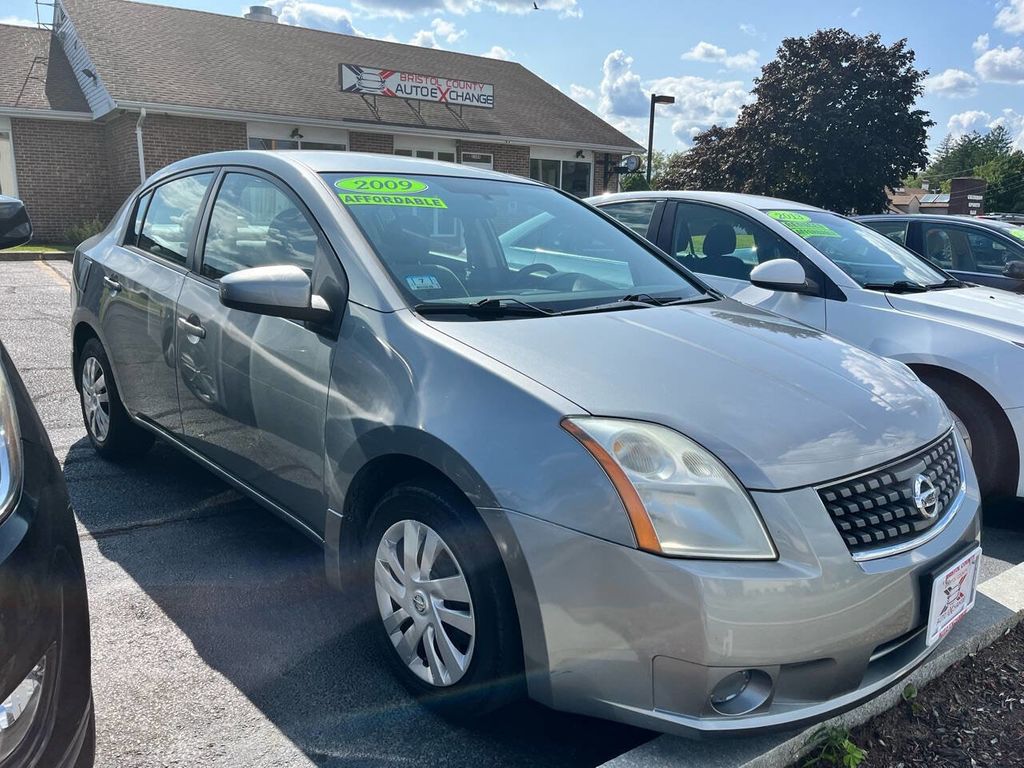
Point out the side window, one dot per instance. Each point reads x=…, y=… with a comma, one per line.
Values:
x=170, y=219
x=131, y=237
x=990, y=253
x=947, y=246
x=719, y=242
x=894, y=230
x=636, y=214
x=254, y=224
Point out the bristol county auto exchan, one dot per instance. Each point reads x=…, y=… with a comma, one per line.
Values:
x=545, y=458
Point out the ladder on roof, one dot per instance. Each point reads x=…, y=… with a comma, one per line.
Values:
x=45, y=13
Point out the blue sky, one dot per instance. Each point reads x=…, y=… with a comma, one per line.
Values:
x=611, y=55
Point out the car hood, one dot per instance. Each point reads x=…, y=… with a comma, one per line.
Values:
x=988, y=310
x=781, y=404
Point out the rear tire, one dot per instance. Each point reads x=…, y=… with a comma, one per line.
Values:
x=993, y=456
x=111, y=430
x=457, y=648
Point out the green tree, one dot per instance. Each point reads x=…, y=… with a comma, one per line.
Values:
x=961, y=156
x=1005, y=176
x=833, y=124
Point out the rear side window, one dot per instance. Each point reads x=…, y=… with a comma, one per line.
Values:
x=254, y=223
x=170, y=219
x=135, y=228
x=635, y=214
x=894, y=230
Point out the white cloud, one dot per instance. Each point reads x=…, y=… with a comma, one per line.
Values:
x=980, y=44
x=954, y=83
x=856, y=12
x=622, y=94
x=440, y=29
x=1011, y=17
x=704, y=51
x=497, y=52
x=1012, y=121
x=302, y=13
x=405, y=9
x=701, y=103
x=17, y=21
x=1001, y=65
x=965, y=122
x=581, y=93
x=748, y=29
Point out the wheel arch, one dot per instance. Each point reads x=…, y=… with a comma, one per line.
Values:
x=83, y=331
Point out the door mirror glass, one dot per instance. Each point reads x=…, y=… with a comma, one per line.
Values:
x=1014, y=269
x=782, y=275
x=276, y=290
x=15, y=227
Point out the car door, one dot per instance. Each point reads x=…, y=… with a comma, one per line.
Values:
x=253, y=388
x=723, y=246
x=972, y=253
x=142, y=278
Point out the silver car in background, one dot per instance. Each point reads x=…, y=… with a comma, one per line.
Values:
x=543, y=456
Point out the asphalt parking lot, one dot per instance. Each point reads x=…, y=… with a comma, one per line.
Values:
x=216, y=640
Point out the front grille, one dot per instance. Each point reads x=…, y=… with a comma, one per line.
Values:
x=878, y=509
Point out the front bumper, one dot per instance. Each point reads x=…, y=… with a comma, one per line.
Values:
x=43, y=606
x=618, y=633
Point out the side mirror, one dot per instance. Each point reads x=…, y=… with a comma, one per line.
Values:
x=1014, y=269
x=15, y=227
x=782, y=275
x=279, y=291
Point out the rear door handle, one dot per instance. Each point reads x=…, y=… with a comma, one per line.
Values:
x=190, y=328
x=111, y=283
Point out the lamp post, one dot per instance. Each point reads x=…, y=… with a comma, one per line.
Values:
x=655, y=99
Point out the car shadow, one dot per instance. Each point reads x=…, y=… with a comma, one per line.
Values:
x=250, y=594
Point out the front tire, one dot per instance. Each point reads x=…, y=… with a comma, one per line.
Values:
x=111, y=430
x=442, y=614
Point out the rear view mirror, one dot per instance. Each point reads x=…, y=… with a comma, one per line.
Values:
x=782, y=275
x=1014, y=269
x=279, y=291
x=15, y=227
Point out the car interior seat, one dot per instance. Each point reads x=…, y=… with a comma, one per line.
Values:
x=719, y=243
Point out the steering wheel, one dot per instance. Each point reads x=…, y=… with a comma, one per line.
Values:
x=532, y=269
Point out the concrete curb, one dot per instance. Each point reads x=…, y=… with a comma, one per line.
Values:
x=1000, y=607
x=36, y=256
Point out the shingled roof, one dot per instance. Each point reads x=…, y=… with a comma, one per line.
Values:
x=36, y=74
x=152, y=54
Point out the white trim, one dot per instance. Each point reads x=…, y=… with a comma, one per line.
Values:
x=353, y=125
x=425, y=143
x=5, y=127
x=283, y=130
x=46, y=114
x=560, y=153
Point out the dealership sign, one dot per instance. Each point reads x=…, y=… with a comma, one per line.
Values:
x=373, y=81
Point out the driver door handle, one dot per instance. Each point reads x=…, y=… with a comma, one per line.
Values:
x=191, y=328
x=111, y=283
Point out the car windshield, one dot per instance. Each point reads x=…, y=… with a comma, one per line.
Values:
x=1009, y=228
x=870, y=258
x=465, y=242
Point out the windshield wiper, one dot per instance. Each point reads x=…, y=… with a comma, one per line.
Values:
x=497, y=306
x=667, y=301
x=900, y=286
x=951, y=282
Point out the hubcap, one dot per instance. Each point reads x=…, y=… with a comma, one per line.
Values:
x=424, y=602
x=95, y=399
x=962, y=429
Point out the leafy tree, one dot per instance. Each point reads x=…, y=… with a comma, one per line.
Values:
x=637, y=182
x=833, y=124
x=1005, y=176
x=963, y=155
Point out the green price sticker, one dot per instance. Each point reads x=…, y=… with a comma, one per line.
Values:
x=1018, y=233
x=788, y=216
x=810, y=229
x=392, y=184
x=400, y=201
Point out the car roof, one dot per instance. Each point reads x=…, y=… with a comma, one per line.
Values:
x=322, y=161
x=947, y=217
x=729, y=198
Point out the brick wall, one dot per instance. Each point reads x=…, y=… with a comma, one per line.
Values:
x=508, y=158
x=613, y=178
x=62, y=174
x=380, y=143
x=167, y=139
x=122, y=155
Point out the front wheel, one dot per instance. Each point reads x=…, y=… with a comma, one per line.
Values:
x=444, y=615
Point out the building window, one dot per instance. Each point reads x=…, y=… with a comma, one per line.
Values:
x=568, y=175
x=477, y=160
x=427, y=154
x=256, y=142
x=8, y=184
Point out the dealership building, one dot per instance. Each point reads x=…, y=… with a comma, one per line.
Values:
x=113, y=90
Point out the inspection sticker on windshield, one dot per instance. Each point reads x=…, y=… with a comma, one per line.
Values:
x=422, y=282
x=801, y=224
x=953, y=594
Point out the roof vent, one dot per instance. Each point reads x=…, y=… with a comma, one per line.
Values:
x=261, y=13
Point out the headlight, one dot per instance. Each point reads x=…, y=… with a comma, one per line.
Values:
x=681, y=500
x=10, y=448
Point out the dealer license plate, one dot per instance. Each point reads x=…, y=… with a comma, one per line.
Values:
x=953, y=594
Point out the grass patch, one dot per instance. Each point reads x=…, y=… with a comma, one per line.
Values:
x=41, y=248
